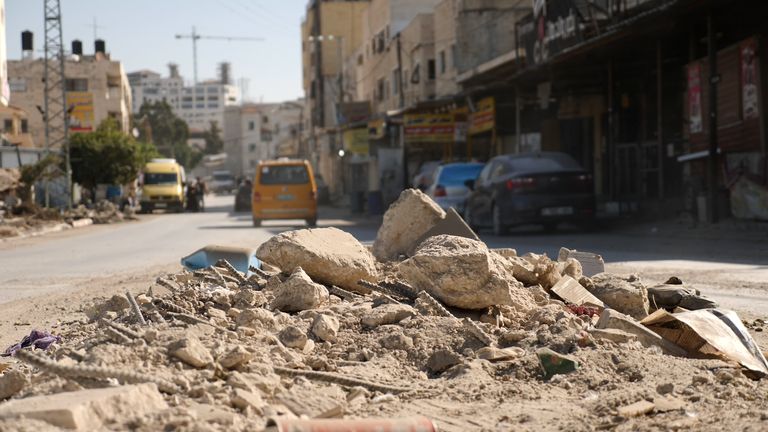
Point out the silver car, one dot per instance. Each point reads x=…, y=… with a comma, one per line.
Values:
x=448, y=188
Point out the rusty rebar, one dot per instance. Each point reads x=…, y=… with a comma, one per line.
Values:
x=136, y=309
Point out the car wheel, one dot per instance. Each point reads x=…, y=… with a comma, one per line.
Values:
x=256, y=222
x=499, y=228
x=312, y=222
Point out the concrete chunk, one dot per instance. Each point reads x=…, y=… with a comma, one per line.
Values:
x=623, y=293
x=328, y=255
x=388, y=314
x=87, y=410
x=611, y=319
x=191, y=351
x=299, y=293
x=326, y=327
x=406, y=220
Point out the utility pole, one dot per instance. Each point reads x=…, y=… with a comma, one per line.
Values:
x=400, y=71
x=55, y=97
x=319, y=96
x=195, y=36
x=714, y=78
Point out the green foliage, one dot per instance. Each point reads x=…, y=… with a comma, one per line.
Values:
x=213, y=142
x=107, y=156
x=158, y=124
x=31, y=174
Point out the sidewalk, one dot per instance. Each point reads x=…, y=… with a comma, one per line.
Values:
x=732, y=229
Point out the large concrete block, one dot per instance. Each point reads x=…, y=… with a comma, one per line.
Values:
x=405, y=222
x=88, y=410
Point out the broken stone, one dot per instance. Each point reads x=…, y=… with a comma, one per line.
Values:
x=547, y=271
x=451, y=224
x=397, y=341
x=406, y=220
x=613, y=335
x=670, y=296
x=610, y=318
x=665, y=388
x=463, y=273
x=299, y=293
x=636, y=409
x=387, y=314
x=242, y=399
x=247, y=298
x=191, y=351
x=570, y=267
x=624, y=294
x=512, y=337
x=493, y=354
x=667, y=404
x=571, y=291
x=88, y=410
x=554, y=363
x=591, y=263
x=522, y=270
x=328, y=255
x=236, y=357
x=255, y=318
x=293, y=337
x=326, y=327
x=12, y=382
x=442, y=360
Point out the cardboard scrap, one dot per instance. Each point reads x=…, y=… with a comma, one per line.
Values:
x=591, y=263
x=709, y=333
x=570, y=290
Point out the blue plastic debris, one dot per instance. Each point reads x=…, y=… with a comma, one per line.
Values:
x=240, y=258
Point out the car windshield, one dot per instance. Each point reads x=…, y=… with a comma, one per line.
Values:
x=159, y=178
x=222, y=177
x=456, y=175
x=544, y=163
x=284, y=175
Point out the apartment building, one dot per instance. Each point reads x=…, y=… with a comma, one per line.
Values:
x=150, y=87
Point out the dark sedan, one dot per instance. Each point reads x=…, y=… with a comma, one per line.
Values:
x=544, y=188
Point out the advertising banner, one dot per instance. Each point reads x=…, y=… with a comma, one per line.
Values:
x=484, y=118
x=429, y=128
x=356, y=141
x=695, y=120
x=81, y=117
x=553, y=27
x=748, y=60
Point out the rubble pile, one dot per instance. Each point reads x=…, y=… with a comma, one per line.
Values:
x=470, y=337
x=42, y=220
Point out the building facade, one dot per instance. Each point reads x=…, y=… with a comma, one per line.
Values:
x=150, y=87
x=248, y=137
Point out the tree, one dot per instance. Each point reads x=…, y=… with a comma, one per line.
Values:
x=158, y=124
x=213, y=142
x=107, y=156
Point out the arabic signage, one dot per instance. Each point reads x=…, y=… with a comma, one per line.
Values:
x=429, y=128
x=484, y=117
x=377, y=129
x=553, y=27
x=353, y=112
x=694, y=98
x=81, y=117
x=748, y=60
x=356, y=141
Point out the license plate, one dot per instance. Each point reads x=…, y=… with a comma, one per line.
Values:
x=285, y=197
x=557, y=211
x=160, y=205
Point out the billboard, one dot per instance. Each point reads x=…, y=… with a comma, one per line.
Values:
x=356, y=141
x=80, y=106
x=553, y=27
x=484, y=118
x=429, y=128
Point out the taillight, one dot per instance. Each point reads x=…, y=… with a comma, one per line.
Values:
x=440, y=191
x=520, y=183
x=256, y=196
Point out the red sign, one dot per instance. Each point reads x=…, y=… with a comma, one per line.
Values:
x=748, y=60
x=694, y=98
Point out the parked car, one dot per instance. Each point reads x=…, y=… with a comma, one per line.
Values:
x=284, y=189
x=222, y=182
x=423, y=178
x=448, y=187
x=544, y=188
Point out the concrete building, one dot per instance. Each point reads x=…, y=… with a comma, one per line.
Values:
x=97, y=88
x=286, y=129
x=150, y=87
x=247, y=135
x=206, y=102
x=15, y=127
x=446, y=53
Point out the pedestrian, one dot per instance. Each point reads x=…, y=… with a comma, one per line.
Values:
x=202, y=189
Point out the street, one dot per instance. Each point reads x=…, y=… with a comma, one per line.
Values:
x=732, y=272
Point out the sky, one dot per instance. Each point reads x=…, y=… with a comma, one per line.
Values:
x=141, y=34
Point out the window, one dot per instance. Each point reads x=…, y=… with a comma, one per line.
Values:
x=266, y=136
x=24, y=126
x=405, y=81
x=199, y=98
x=453, y=55
x=77, y=84
x=416, y=74
x=283, y=175
x=431, y=69
x=380, y=89
x=442, y=62
x=395, y=82
x=265, y=119
x=213, y=105
x=251, y=125
x=8, y=126
x=251, y=148
x=187, y=99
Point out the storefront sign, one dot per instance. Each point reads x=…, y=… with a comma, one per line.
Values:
x=551, y=28
x=748, y=60
x=81, y=117
x=377, y=129
x=484, y=117
x=356, y=141
x=353, y=112
x=429, y=128
x=694, y=98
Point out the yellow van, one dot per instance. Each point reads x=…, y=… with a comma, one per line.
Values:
x=284, y=189
x=162, y=186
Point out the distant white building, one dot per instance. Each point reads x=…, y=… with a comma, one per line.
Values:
x=248, y=137
x=197, y=105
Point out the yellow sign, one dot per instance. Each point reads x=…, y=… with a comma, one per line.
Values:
x=356, y=141
x=377, y=129
x=484, y=118
x=429, y=128
x=80, y=107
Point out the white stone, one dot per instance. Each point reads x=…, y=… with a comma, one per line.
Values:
x=406, y=220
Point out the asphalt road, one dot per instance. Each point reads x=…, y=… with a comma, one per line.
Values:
x=734, y=272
